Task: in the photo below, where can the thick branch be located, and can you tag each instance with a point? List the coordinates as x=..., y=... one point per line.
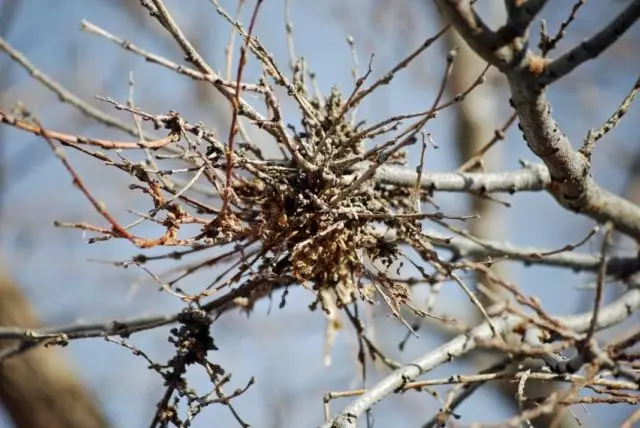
x=531, y=178
x=495, y=48
x=592, y=47
x=610, y=315
x=521, y=14
x=572, y=185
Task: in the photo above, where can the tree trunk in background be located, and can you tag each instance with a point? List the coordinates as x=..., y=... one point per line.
x=475, y=124
x=476, y=121
x=37, y=388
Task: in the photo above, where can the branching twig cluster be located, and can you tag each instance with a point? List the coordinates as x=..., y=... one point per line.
x=341, y=208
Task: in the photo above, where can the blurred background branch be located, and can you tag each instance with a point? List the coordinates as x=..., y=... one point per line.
x=217, y=224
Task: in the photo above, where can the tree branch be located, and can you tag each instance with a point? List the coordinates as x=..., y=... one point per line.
x=495, y=48
x=609, y=315
x=620, y=267
x=572, y=185
x=591, y=48
x=521, y=14
x=530, y=178
x=67, y=96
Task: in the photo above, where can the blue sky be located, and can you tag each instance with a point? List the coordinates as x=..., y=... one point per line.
x=283, y=349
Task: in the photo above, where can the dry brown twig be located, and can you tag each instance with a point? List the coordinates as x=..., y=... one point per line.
x=322, y=216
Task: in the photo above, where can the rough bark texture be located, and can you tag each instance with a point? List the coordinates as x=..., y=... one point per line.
x=476, y=121
x=37, y=388
x=527, y=74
